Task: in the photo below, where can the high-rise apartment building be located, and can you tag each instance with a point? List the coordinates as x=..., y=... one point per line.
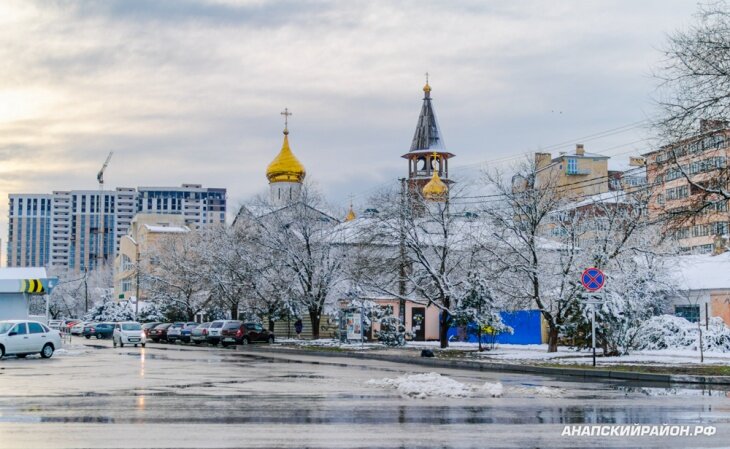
x=198, y=205
x=81, y=229
x=29, y=223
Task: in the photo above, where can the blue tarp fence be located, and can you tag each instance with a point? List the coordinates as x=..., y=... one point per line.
x=526, y=325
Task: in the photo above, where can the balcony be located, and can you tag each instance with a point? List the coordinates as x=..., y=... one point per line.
x=577, y=171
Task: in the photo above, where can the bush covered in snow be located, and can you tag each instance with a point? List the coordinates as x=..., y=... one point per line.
x=109, y=310
x=673, y=332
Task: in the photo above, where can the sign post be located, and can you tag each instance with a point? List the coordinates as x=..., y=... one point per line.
x=593, y=280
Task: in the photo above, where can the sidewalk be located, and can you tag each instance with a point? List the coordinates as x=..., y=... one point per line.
x=648, y=366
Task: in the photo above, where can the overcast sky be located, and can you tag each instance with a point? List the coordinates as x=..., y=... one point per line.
x=191, y=91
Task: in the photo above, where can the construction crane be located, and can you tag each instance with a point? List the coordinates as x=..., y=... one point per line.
x=100, y=226
x=100, y=175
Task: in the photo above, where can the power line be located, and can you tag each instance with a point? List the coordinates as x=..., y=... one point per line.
x=589, y=137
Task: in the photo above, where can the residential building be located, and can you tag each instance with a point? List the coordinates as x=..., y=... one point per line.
x=700, y=158
x=86, y=226
x=198, y=205
x=82, y=229
x=29, y=223
x=575, y=175
x=136, y=249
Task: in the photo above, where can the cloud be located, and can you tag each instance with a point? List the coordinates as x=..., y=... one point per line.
x=188, y=91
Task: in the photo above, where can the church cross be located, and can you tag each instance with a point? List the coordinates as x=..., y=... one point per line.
x=286, y=115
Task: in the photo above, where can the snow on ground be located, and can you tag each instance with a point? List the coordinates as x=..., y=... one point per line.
x=72, y=350
x=536, y=353
x=330, y=343
x=422, y=386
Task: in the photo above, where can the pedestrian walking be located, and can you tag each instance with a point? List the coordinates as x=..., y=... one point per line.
x=298, y=326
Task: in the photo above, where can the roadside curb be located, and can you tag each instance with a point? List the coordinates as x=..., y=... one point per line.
x=600, y=375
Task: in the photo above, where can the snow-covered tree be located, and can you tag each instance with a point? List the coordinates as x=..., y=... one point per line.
x=77, y=292
x=177, y=276
x=415, y=250
x=535, y=253
x=693, y=97
x=293, y=239
x=478, y=306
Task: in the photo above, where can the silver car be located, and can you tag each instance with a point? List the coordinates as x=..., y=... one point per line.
x=22, y=337
x=214, y=331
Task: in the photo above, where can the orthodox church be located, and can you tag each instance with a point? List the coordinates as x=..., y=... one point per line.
x=428, y=164
x=427, y=182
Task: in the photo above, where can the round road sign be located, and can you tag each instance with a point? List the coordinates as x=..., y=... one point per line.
x=592, y=279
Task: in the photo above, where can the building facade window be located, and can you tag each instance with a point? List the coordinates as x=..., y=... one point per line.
x=690, y=313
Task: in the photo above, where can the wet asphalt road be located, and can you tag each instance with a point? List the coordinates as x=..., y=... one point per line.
x=183, y=397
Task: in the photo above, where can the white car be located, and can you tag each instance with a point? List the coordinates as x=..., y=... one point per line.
x=78, y=328
x=128, y=333
x=22, y=337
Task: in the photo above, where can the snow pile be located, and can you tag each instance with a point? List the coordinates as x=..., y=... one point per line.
x=71, y=350
x=493, y=389
x=672, y=332
x=421, y=386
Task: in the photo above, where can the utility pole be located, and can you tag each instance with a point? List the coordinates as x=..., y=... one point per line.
x=402, y=255
x=136, y=294
x=86, y=291
x=100, y=229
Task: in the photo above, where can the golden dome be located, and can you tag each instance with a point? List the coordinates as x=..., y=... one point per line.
x=350, y=214
x=285, y=167
x=427, y=88
x=435, y=189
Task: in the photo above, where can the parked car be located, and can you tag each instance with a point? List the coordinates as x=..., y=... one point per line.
x=78, y=328
x=20, y=338
x=199, y=334
x=187, y=331
x=55, y=324
x=146, y=327
x=98, y=330
x=128, y=333
x=159, y=332
x=174, y=332
x=214, y=331
x=238, y=332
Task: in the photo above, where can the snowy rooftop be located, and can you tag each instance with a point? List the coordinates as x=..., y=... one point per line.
x=167, y=229
x=702, y=271
x=23, y=273
x=611, y=197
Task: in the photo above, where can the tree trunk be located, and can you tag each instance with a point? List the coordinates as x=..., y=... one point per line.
x=314, y=318
x=271, y=325
x=444, y=322
x=552, y=338
x=234, y=312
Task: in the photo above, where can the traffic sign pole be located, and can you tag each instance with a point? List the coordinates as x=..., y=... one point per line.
x=593, y=331
x=593, y=280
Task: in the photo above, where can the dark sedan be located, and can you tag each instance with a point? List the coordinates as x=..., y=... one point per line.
x=146, y=327
x=238, y=332
x=98, y=330
x=159, y=332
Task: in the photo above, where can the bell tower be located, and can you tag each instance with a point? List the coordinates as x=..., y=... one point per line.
x=427, y=157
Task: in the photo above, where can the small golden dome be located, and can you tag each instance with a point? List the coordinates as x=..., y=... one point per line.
x=285, y=167
x=427, y=88
x=350, y=214
x=435, y=189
